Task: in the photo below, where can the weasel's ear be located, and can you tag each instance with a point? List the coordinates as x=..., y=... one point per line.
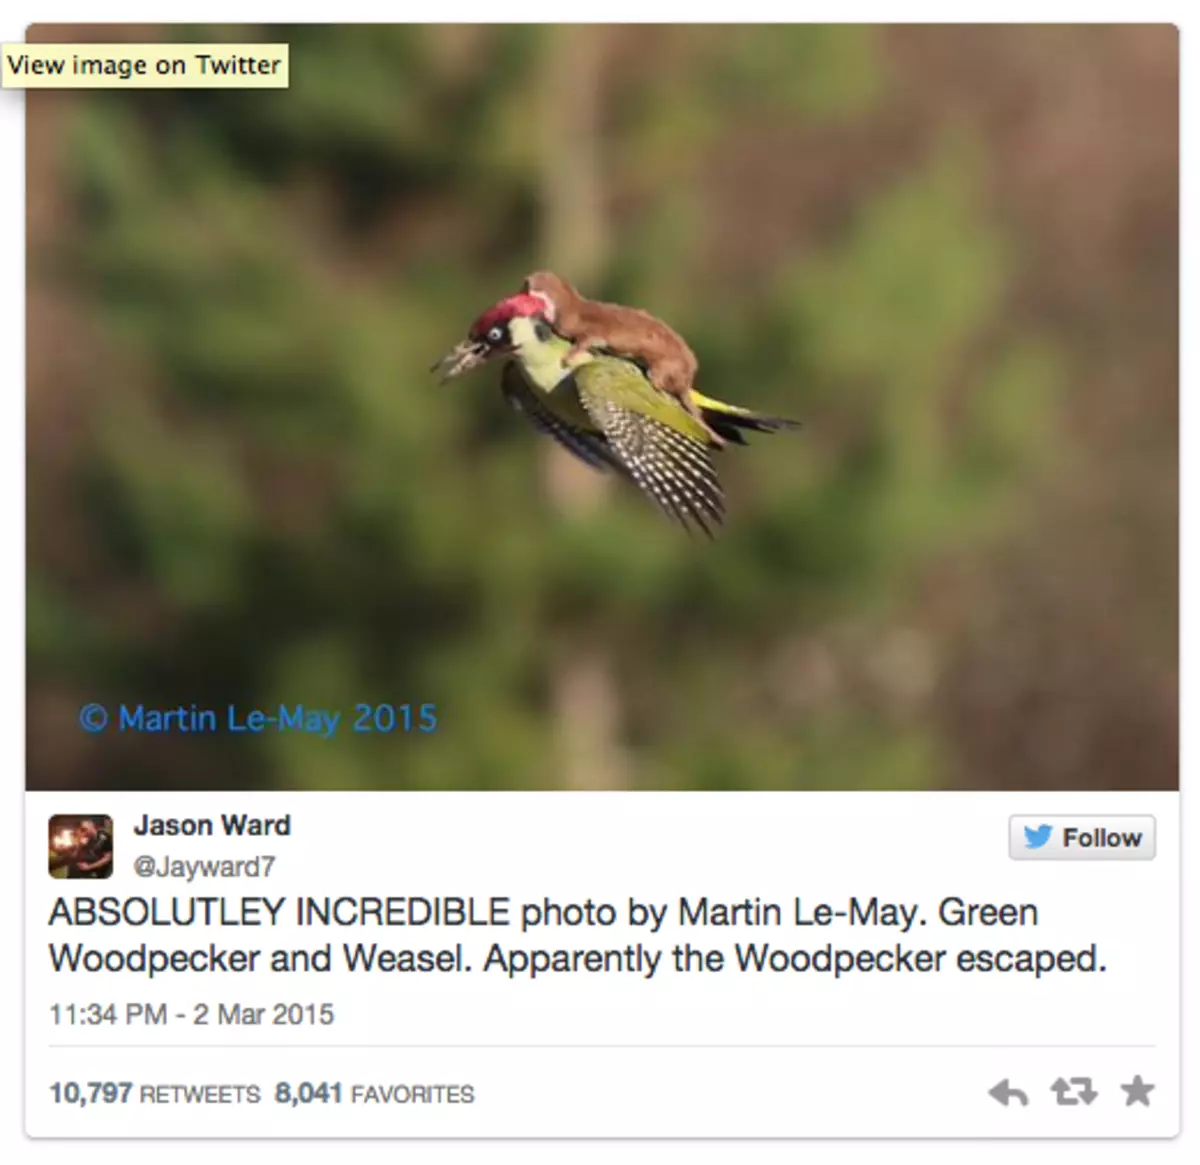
x=549, y=310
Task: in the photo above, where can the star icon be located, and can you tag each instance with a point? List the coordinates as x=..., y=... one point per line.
x=1137, y=1091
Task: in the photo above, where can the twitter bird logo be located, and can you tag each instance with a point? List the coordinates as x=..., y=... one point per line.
x=1036, y=838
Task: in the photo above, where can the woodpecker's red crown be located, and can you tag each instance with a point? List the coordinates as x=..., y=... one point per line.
x=507, y=309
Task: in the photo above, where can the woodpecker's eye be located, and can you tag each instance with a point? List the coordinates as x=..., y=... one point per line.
x=495, y=335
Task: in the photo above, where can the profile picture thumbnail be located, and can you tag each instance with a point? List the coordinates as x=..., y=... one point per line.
x=81, y=845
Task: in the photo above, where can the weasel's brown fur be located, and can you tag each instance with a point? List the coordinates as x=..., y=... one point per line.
x=624, y=331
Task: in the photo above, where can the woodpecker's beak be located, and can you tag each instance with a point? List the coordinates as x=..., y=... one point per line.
x=465, y=356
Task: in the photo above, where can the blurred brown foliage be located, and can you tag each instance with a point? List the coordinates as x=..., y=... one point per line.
x=1068, y=635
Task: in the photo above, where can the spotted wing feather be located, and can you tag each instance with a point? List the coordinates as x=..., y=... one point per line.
x=670, y=466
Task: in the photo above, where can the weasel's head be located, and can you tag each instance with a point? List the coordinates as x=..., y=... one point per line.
x=553, y=291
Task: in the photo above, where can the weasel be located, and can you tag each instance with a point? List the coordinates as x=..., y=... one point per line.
x=625, y=331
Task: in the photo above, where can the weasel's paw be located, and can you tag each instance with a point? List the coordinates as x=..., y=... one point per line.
x=572, y=354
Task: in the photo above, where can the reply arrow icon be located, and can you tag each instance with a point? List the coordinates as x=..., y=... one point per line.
x=1004, y=1093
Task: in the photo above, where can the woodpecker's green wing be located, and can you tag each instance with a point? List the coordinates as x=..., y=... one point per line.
x=589, y=447
x=662, y=447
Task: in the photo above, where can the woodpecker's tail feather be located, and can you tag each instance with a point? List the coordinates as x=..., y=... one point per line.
x=728, y=420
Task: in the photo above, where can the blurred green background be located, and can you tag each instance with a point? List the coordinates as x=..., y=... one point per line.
x=952, y=251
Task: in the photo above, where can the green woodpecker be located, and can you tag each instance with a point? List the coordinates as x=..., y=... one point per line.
x=606, y=411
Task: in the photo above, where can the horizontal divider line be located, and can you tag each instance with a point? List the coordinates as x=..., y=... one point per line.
x=640, y=1047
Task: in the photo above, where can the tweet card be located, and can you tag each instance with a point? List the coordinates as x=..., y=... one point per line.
x=601, y=581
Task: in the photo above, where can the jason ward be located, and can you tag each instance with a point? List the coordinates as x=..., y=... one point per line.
x=233, y=824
